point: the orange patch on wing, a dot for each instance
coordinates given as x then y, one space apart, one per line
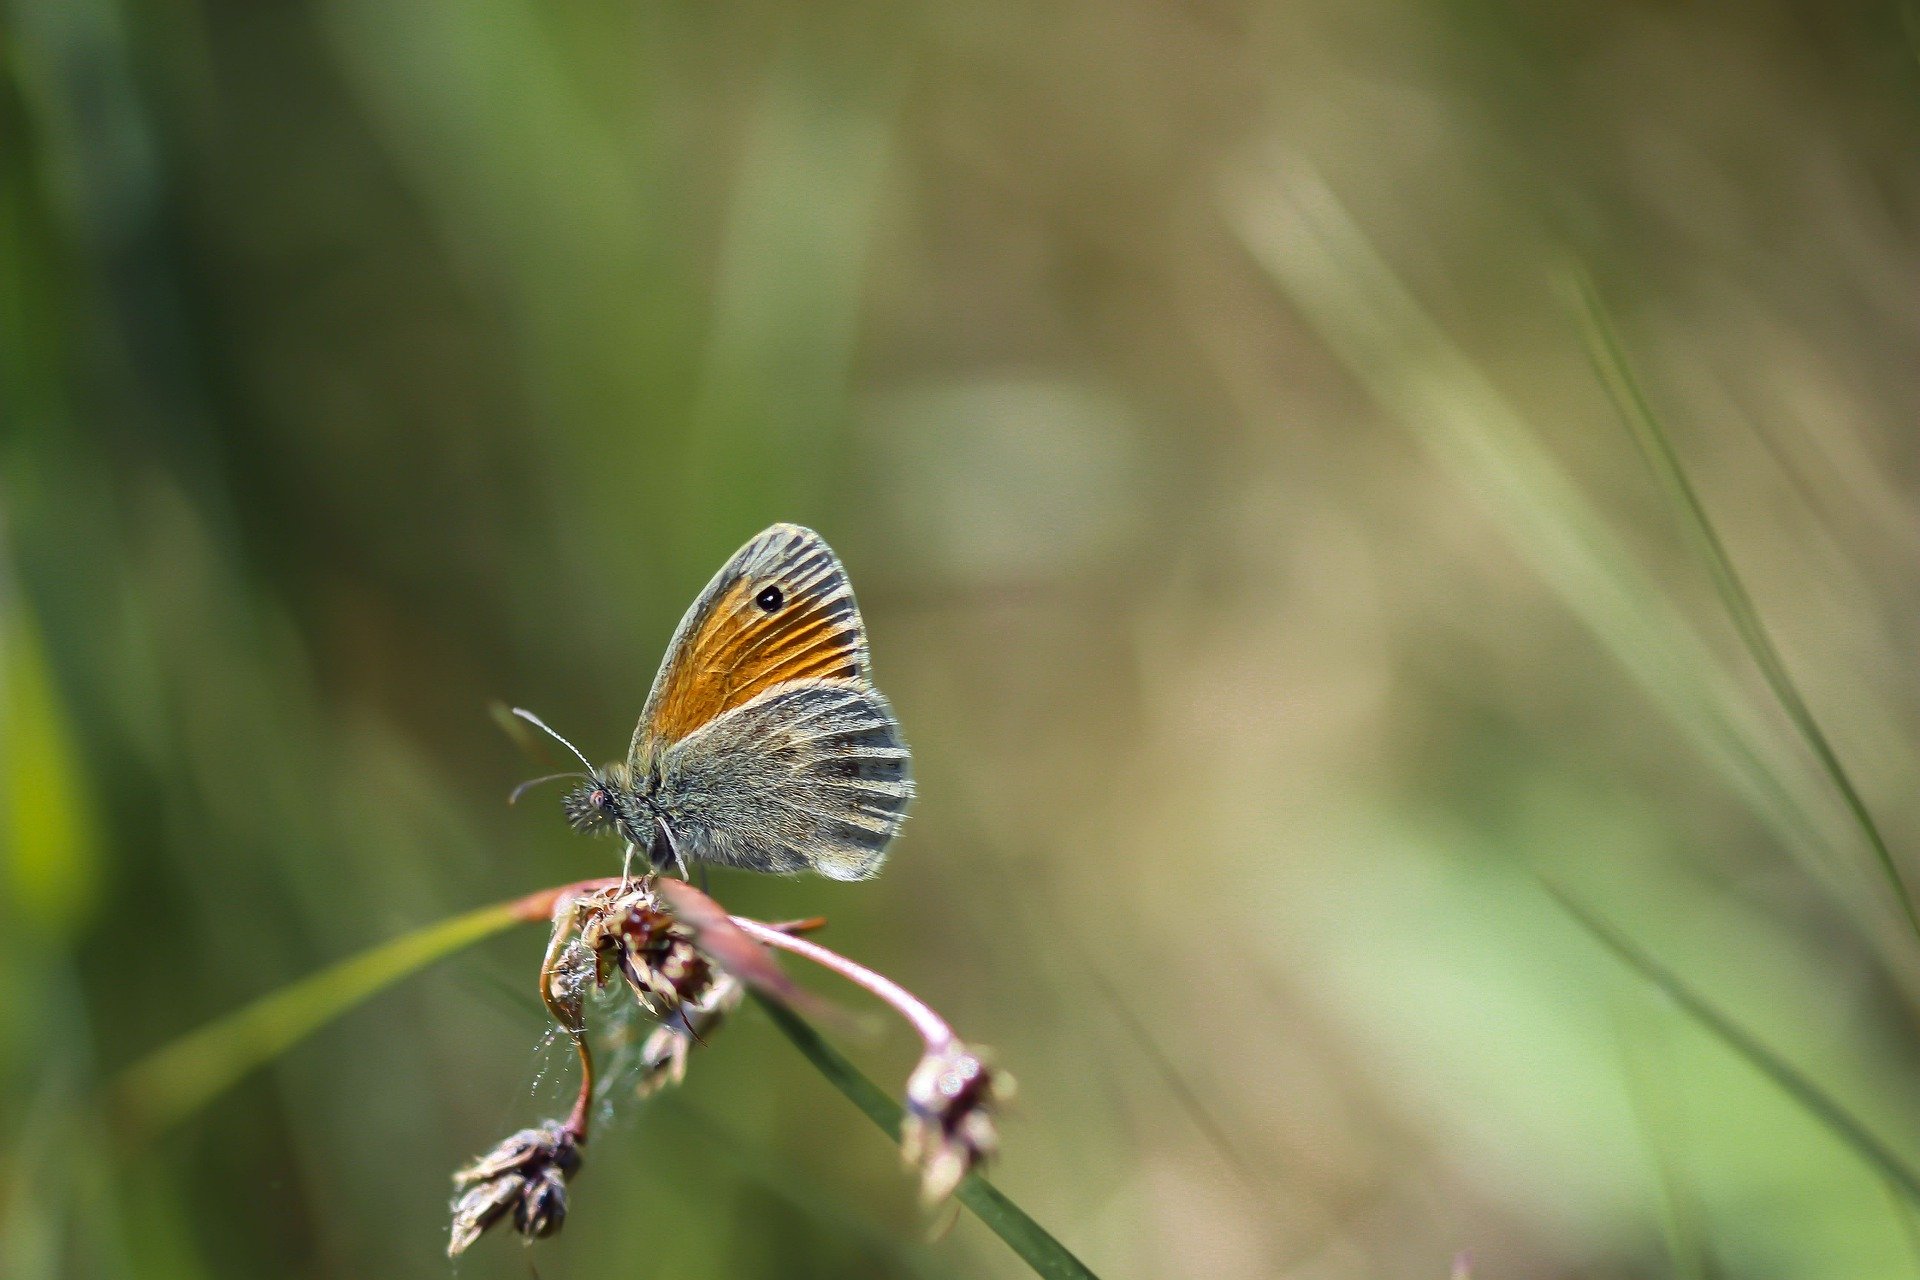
739 651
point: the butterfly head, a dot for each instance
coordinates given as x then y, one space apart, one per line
603 802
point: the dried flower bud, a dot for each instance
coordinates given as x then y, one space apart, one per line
480 1208
542 1207
526 1174
949 1124
663 1056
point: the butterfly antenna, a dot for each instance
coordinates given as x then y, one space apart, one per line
548 729
513 797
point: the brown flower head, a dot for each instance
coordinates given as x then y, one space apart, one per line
526 1176
949 1125
652 950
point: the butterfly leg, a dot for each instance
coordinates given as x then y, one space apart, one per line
666 833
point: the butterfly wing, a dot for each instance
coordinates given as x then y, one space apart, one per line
811 775
781 609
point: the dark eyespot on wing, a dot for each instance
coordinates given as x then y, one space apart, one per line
780 610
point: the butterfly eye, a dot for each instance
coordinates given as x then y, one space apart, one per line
599 799
769 599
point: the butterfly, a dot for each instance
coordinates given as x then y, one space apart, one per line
763 744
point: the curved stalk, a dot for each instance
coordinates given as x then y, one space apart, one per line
932 1027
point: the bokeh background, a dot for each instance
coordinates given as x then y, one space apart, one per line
1200 393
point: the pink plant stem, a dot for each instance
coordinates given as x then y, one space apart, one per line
539 906
932 1027
583 1101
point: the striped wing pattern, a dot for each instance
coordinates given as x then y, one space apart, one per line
810 776
780 610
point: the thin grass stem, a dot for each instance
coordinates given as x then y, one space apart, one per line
1646 1081
178 1079
1036 1246
1369 317
1610 360
1796 1084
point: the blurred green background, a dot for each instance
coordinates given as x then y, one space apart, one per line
1198 393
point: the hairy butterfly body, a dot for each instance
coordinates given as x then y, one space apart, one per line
763 744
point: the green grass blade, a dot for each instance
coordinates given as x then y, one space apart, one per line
1609 358
1035 1245
1811 1098
1327 267
1681 1218
175 1081
1903 1213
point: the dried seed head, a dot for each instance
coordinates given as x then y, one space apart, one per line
542 1207
481 1207
949 1126
663 1056
653 951
527 1175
